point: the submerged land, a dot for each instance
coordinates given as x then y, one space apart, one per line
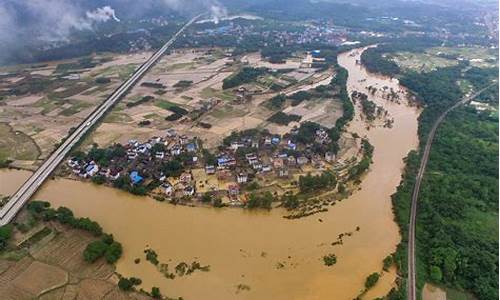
241 168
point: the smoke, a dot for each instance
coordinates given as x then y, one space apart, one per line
25 24
102 14
217 12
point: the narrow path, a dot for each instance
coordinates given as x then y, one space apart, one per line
412 291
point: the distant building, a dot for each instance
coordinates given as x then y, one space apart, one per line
91 169
186 177
189 191
283 172
167 188
234 190
191 147
209 169
242 178
302 160
135 177
329 156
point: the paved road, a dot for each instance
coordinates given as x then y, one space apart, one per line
412 291
17 201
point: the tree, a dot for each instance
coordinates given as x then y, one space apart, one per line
124 284
371 280
155 292
388 261
113 252
206 198
94 251
435 274
5 235
65 215
263 200
290 201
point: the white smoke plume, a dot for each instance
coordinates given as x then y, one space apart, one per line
102 14
217 12
25 24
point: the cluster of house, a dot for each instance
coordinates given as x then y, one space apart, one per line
272 154
140 158
325 32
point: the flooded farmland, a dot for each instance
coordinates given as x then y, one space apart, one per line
260 254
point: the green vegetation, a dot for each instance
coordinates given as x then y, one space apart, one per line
152 256
276 102
370 109
183 84
282 118
374 61
330 259
458 206
106 247
155 293
245 75
178 112
309 183
388 262
371 280
356 171
298 97
16 145
42 210
340 80
262 200
102 80
181 269
140 101
5 235
127 284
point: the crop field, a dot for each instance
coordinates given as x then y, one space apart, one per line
53 268
440 57
193 79
41 103
421 62
15 145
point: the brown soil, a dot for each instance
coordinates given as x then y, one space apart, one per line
53 268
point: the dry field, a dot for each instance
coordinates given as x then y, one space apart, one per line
15 145
43 102
206 69
53 268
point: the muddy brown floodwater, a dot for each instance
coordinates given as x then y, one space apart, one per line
245 248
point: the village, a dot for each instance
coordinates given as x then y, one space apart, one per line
178 169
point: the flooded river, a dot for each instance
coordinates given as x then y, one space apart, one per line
267 256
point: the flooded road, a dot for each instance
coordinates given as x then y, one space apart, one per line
259 254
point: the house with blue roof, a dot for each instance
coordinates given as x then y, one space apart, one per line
135 177
191 147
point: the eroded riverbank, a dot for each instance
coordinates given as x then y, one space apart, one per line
274 257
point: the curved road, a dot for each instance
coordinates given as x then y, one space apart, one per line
24 193
412 290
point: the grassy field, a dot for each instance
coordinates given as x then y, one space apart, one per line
211 93
440 57
16 145
478 57
123 71
421 62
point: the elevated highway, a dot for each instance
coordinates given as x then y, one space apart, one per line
28 189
